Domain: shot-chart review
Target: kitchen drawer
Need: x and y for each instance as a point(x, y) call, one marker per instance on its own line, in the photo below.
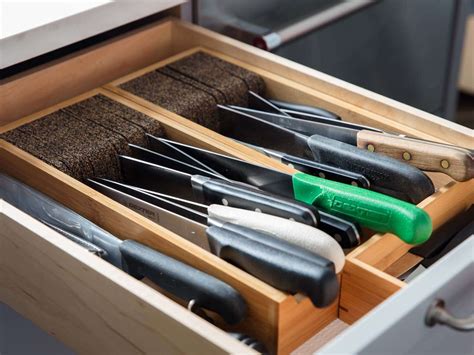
point(281, 321)
point(403, 316)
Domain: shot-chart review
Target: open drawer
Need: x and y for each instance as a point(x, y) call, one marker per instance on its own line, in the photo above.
point(281, 321)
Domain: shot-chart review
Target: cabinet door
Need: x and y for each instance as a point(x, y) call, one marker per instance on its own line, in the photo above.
point(398, 325)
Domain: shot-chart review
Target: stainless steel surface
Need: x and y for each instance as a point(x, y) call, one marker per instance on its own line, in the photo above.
point(308, 128)
point(311, 23)
point(45, 209)
point(185, 227)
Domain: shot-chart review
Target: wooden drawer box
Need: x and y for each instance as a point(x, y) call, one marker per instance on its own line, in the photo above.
point(120, 313)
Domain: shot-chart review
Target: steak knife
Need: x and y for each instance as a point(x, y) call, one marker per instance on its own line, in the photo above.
point(277, 262)
point(454, 161)
point(140, 261)
point(386, 175)
point(371, 209)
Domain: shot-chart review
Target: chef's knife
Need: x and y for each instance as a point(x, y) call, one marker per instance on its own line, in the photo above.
point(371, 209)
point(455, 161)
point(385, 174)
point(208, 188)
point(345, 232)
point(277, 262)
point(297, 233)
point(314, 168)
point(298, 108)
point(139, 260)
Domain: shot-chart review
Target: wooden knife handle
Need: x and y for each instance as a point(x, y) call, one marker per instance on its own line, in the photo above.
point(454, 161)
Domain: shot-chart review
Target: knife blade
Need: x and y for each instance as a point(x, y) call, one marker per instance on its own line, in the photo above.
point(209, 190)
point(314, 168)
point(259, 254)
point(259, 103)
point(344, 232)
point(385, 174)
point(134, 258)
point(371, 209)
point(298, 108)
point(454, 161)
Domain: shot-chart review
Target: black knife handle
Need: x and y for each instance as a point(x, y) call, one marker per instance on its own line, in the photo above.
point(184, 281)
point(385, 174)
point(242, 196)
point(305, 109)
point(278, 267)
point(326, 171)
point(346, 233)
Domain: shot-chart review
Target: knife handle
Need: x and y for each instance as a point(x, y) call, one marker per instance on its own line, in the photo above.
point(384, 173)
point(279, 267)
point(317, 111)
point(326, 171)
point(346, 233)
point(184, 281)
point(370, 209)
point(454, 161)
point(242, 196)
point(299, 234)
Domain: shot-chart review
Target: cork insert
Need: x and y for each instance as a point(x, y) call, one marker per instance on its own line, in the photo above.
point(193, 86)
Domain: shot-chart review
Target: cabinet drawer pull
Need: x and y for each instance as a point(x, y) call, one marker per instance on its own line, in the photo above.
point(437, 314)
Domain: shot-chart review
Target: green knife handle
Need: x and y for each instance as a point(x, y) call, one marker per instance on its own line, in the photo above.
point(371, 209)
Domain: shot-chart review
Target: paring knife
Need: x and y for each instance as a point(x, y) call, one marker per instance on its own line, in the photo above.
point(386, 175)
point(278, 263)
point(454, 161)
point(345, 232)
point(145, 175)
point(140, 261)
point(371, 209)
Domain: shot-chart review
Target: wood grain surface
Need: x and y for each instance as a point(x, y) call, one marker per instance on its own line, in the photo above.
point(454, 161)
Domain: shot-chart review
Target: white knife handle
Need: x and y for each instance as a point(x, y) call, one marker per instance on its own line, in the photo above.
point(300, 234)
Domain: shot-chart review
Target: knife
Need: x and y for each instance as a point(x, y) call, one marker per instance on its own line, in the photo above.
point(371, 209)
point(304, 109)
point(314, 168)
point(454, 161)
point(259, 103)
point(141, 174)
point(346, 233)
point(386, 175)
point(276, 262)
point(134, 258)
point(208, 188)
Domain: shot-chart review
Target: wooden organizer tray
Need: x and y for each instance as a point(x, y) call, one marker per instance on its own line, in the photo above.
point(281, 321)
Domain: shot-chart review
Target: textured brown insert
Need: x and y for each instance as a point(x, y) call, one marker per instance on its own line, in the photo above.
point(193, 86)
point(83, 140)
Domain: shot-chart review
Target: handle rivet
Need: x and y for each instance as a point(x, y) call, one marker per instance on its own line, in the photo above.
point(406, 156)
point(444, 164)
point(371, 148)
point(321, 175)
point(291, 165)
point(258, 210)
point(225, 202)
point(354, 183)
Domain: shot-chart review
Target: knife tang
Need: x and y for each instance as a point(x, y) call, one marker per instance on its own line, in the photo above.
point(454, 161)
point(250, 198)
point(256, 253)
point(373, 210)
point(317, 111)
point(184, 281)
point(383, 172)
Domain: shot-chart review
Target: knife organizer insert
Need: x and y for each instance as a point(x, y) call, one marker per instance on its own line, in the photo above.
point(281, 321)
